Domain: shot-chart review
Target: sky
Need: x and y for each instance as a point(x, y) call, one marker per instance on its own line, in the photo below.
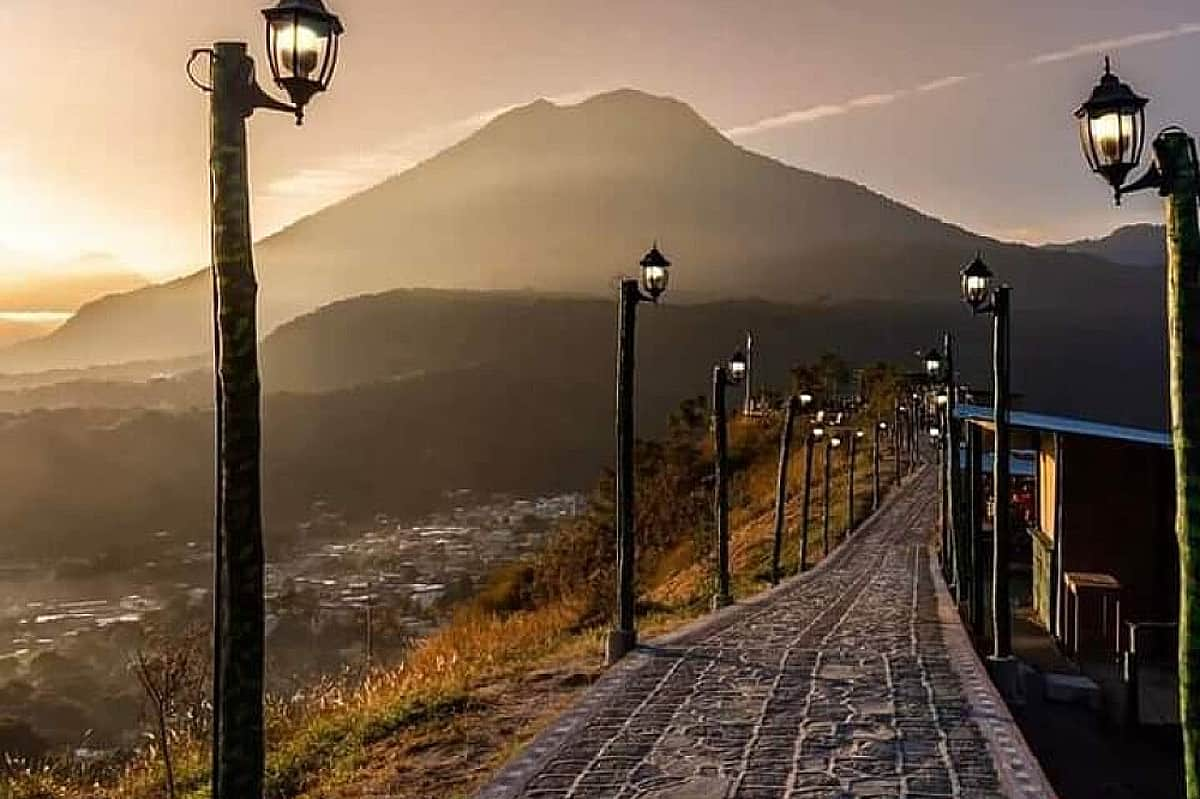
point(960, 108)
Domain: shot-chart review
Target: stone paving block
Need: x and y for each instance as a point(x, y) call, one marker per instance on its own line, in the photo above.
point(838, 684)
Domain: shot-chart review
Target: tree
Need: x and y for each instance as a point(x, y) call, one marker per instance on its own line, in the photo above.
point(173, 674)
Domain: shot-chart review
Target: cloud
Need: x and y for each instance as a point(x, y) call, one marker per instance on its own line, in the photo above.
point(816, 112)
point(942, 83)
point(1109, 45)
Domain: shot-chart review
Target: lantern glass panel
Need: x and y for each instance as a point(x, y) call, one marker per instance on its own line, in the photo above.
point(737, 367)
point(300, 47)
point(654, 279)
point(975, 289)
point(1115, 137)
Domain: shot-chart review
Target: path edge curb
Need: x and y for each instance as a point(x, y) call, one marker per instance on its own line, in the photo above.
point(1020, 774)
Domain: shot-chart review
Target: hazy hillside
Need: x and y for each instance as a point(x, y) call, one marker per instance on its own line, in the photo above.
point(1131, 245)
point(557, 198)
point(408, 393)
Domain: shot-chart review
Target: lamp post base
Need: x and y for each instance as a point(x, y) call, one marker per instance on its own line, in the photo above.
point(721, 601)
point(618, 644)
point(1006, 676)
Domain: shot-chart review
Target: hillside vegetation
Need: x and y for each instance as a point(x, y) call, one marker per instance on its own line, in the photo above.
point(520, 384)
point(465, 699)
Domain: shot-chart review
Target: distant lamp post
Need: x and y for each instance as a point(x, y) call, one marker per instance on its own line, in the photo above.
point(831, 443)
point(815, 435)
point(655, 274)
point(795, 404)
point(852, 457)
point(1112, 131)
point(748, 375)
point(302, 39)
point(980, 293)
point(734, 372)
point(880, 428)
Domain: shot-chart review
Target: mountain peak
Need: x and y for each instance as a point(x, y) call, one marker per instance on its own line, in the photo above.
point(619, 118)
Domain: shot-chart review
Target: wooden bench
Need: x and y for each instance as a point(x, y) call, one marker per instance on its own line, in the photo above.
point(1105, 588)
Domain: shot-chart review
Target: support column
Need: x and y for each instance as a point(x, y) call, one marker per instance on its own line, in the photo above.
point(1001, 609)
point(825, 499)
point(721, 597)
point(239, 606)
point(785, 449)
point(624, 637)
point(1176, 154)
point(853, 456)
point(975, 527)
point(807, 503)
point(875, 468)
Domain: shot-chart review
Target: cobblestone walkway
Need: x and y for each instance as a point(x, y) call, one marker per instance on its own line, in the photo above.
point(838, 684)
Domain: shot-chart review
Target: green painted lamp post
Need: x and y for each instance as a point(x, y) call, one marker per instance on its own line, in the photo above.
point(734, 373)
point(831, 443)
point(655, 275)
point(852, 456)
point(795, 404)
point(302, 47)
point(982, 297)
point(880, 428)
point(748, 376)
point(1112, 126)
point(810, 442)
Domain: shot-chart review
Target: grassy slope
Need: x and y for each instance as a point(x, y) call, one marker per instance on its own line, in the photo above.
point(470, 696)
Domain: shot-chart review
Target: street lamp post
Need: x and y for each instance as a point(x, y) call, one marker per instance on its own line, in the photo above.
point(655, 274)
point(810, 442)
point(980, 294)
point(302, 47)
point(1112, 131)
point(722, 377)
point(953, 483)
point(853, 456)
point(875, 490)
point(794, 404)
point(832, 443)
point(748, 397)
point(898, 440)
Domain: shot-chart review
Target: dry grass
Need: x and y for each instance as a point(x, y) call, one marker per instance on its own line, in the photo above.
point(468, 697)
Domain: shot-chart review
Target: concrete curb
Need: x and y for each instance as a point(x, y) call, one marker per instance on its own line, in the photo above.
point(1020, 774)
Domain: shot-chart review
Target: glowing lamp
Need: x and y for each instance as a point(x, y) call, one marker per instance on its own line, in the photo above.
point(656, 272)
point(976, 283)
point(302, 47)
point(1112, 129)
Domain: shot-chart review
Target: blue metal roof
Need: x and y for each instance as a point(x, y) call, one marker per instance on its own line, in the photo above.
point(1064, 424)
